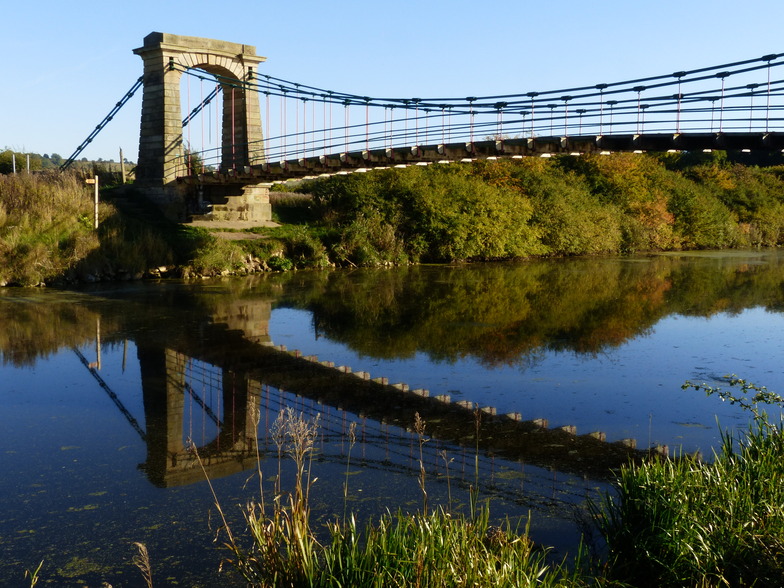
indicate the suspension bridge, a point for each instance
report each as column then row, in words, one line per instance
column 218, row 153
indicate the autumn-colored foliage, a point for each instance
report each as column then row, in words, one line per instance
column 563, row 205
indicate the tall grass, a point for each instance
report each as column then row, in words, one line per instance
column 45, row 226
column 44, row 197
column 680, row 522
column 47, row 234
column 437, row 549
column 433, row 548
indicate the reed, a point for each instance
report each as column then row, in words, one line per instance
column 283, row 549
column 419, row 428
column 680, row 522
column 142, row 561
column 433, row 548
column 437, row 549
column 33, row 575
column 352, row 439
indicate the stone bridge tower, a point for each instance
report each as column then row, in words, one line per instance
column 161, row 150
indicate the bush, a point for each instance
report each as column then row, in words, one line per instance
column 485, row 210
column 433, row 213
column 701, row 219
column 217, row 256
column 370, row 241
column 766, row 225
column 304, row 249
column 570, row 220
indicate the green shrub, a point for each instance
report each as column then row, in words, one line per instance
column 766, row 225
column 570, row 220
column 433, row 213
column 369, row 241
column 701, row 219
column 484, row 210
column 280, row 264
column 305, row 249
column 217, row 256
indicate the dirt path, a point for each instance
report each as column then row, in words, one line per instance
column 232, row 230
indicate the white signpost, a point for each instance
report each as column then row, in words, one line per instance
column 95, row 182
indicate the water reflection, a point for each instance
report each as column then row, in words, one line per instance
column 210, row 372
column 168, row 381
column 498, row 314
column 511, row 313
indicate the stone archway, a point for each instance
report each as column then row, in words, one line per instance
column 161, row 153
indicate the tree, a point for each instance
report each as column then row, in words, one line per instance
column 7, row 161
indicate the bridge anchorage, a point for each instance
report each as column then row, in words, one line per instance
column 733, row 106
column 162, row 151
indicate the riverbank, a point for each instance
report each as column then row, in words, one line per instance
column 486, row 210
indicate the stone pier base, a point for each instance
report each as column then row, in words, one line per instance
column 161, row 173
column 181, row 202
column 238, row 203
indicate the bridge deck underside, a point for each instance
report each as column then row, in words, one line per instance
column 530, row 147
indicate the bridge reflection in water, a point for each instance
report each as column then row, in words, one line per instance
column 488, row 330
column 218, row 352
column 169, row 398
column 224, row 388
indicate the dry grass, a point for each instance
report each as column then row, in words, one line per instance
column 45, row 226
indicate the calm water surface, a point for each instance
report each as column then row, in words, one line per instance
column 102, row 388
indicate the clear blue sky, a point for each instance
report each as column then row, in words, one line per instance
column 65, row 64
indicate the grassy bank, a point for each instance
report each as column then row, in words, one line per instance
column 47, row 235
column 534, row 207
column 486, row 210
column 430, row 548
column 45, row 226
column 685, row 523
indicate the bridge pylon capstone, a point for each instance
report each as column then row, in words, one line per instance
column 162, row 158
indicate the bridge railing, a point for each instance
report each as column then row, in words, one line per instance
column 301, row 121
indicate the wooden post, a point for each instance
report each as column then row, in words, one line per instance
column 122, row 166
column 96, row 202
column 98, row 342
column 95, row 182
column 96, row 365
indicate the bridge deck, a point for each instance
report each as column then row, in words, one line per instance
column 466, row 151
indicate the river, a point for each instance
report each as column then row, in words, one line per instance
column 533, row 380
